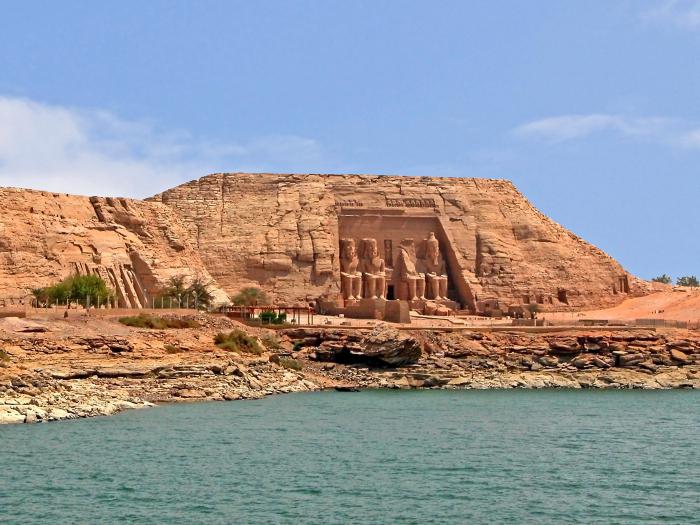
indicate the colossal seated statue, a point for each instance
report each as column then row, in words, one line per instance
column 372, row 268
column 434, row 266
column 408, row 282
column 350, row 277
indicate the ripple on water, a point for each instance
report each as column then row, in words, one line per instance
column 365, row 458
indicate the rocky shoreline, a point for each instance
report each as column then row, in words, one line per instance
column 65, row 369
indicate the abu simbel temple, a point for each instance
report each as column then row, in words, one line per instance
column 363, row 246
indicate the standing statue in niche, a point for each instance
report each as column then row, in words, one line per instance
column 434, row 266
column 372, row 268
column 350, row 277
column 409, row 283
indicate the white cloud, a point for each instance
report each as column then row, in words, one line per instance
column 659, row 130
column 568, row 127
column 93, row 152
column 681, row 13
column 691, row 139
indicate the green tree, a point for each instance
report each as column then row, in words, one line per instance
column 198, row 290
column 176, row 288
column 250, row 296
column 665, row 279
column 83, row 289
column 688, row 280
column 181, row 294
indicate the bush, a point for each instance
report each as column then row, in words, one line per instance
column 688, row 280
column 664, row 279
column 4, row 356
column 82, row 289
column 238, row 341
column 172, row 349
column 291, row 363
column 158, row 323
column 273, row 318
column 250, row 296
column 271, row 341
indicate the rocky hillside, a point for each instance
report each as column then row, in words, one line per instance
column 281, row 232
column 135, row 246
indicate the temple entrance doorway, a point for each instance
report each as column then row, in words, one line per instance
column 390, row 293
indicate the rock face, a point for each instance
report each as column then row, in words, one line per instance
column 134, row 246
column 282, row 232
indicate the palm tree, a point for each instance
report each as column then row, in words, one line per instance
column 250, row 296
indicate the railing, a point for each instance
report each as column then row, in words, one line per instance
column 299, row 314
column 668, row 323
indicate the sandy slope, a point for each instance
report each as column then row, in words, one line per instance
column 680, row 304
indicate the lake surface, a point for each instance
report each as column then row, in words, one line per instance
column 366, row 458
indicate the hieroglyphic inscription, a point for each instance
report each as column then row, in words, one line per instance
column 391, row 203
column 410, row 203
column 349, row 203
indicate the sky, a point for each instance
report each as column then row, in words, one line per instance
column 591, row 107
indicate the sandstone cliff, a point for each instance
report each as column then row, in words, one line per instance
column 135, row 246
column 282, row 232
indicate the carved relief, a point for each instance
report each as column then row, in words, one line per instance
column 410, row 203
column 388, row 253
column 352, row 203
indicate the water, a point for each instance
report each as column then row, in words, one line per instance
column 366, row 458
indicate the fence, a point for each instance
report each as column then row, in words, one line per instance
column 299, row 314
column 668, row 323
column 90, row 302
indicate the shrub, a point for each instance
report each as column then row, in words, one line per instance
column 238, row 341
column 688, row 280
column 250, row 296
column 158, row 323
column 665, row 279
column 273, row 318
column 172, row 349
column 82, row 289
column 271, row 341
column 291, row 363
column 4, row 356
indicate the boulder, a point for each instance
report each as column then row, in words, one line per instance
column 679, row 356
column 390, row 347
column 548, row 360
column 628, row 360
column 8, row 415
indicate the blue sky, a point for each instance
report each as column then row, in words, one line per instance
column 591, row 107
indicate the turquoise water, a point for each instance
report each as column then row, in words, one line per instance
column 366, row 458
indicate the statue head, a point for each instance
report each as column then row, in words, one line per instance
column 432, row 247
column 347, row 249
column 370, row 249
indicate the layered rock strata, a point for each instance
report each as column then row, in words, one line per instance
column 86, row 367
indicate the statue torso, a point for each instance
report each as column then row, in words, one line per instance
column 349, row 265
